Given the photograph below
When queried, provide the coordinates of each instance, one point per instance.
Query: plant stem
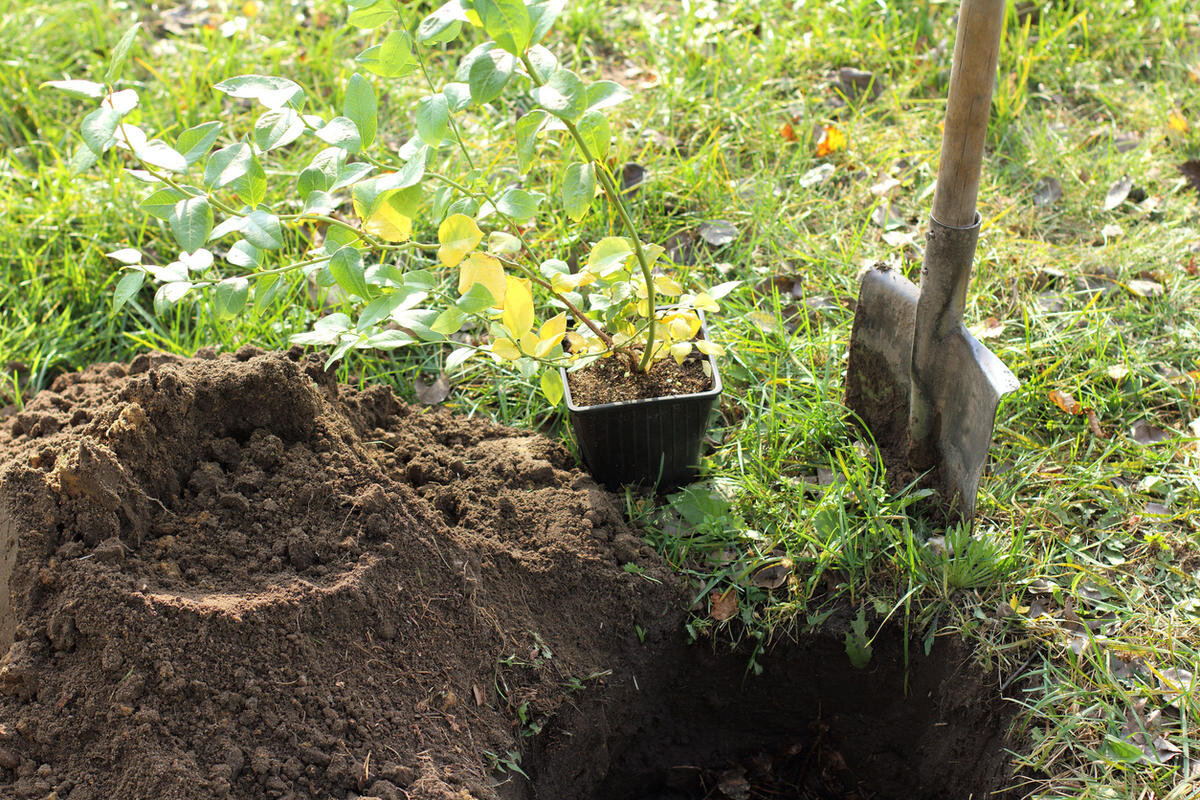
(614, 196)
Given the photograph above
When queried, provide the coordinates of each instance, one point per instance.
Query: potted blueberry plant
(616, 335)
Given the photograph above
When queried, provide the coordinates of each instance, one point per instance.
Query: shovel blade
(878, 376)
(965, 390)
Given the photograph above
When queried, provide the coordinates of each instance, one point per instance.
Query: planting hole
(810, 726)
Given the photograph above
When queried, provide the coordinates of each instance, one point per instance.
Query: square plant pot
(652, 443)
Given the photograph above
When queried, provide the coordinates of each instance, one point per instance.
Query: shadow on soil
(811, 726)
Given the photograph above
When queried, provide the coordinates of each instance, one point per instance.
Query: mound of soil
(232, 577)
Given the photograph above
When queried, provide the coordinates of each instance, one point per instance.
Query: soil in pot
(233, 578)
(611, 380)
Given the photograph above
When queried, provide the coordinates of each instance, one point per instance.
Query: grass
(1079, 580)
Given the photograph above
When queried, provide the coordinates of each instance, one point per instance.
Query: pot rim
(712, 392)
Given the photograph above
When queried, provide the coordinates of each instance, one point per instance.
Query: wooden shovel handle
(976, 51)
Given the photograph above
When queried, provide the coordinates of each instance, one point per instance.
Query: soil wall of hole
(810, 726)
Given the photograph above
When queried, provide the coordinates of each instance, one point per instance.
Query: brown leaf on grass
(717, 232)
(1190, 169)
(723, 605)
(1117, 373)
(817, 175)
(788, 133)
(1143, 288)
(990, 328)
(1117, 193)
(1066, 402)
(853, 84)
(480, 697)
(433, 393)
(773, 576)
(1047, 191)
(1094, 423)
(1144, 433)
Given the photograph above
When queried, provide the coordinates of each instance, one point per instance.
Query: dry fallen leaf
(733, 784)
(830, 139)
(1094, 424)
(1118, 373)
(1144, 433)
(717, 232)
(788, 132)
(433, 393)
(723, 605)
(1065, 401)
(816, 176)
(773, 576)
(990, 328)
(1143, 288)
(480, 697)
(1177, 122)
(1047, 191)
(1117, 193)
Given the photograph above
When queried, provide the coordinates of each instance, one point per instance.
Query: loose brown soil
(611, 380)
(233, 578)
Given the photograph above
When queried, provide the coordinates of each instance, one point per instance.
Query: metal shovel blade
(965, 393)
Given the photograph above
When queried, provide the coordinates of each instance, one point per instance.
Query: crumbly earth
(233, 578)
(610, 380)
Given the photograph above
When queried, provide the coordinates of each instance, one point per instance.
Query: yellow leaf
(482, 268)
(668, 286)
(833, 139)
(677, 319)
(554, 328)
(458, 235)
(680, 329)
(473, 17)
(1177, 122)
(529, 342)
(709, 348)
(578, 344)
(680, 351)
(507, 349)
(569, 282)
(518, 307)
(250, 9)
(705, 303)
(388, 224)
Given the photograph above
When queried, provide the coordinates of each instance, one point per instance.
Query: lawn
(1079, 583)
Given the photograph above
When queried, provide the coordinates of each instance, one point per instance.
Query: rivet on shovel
(920, 382)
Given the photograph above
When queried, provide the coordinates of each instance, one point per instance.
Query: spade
(923, 386)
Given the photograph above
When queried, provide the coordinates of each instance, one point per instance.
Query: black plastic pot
(648, 443)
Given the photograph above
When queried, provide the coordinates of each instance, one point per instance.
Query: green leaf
(266, 289)
(129, 285)
(578, 189)
(489, 75)
(82, 159)
(458, 357)
(507, 22)
(161, 203)
(229, 297)
(596, 133)
(526, 132)
(251, 187)
(609, 255)
(858, 644)
(518, 204)
(346, 267)
(477, 300)
(277, 128)
(603, 94)
(393, 58)
(433, 118)
(229, 225)
(318, 202)
(80, 90)
(120, 54)
(551, 385)
(544, 62)
(244, 254)
(448, 321)
(99, 128)
(458, 95)
(326, 330)
(543, 14)
(563, 95)
(389, 340)
(269, 90)
(312, 180)
(262, 229)
(341, 132)
(191, 221)
(350, 174)
(1123, 751)
(158, 153)
(371, 14)
(196, 141)
(360, 105)
(442, 25)
(227, 165)
(169, 294)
